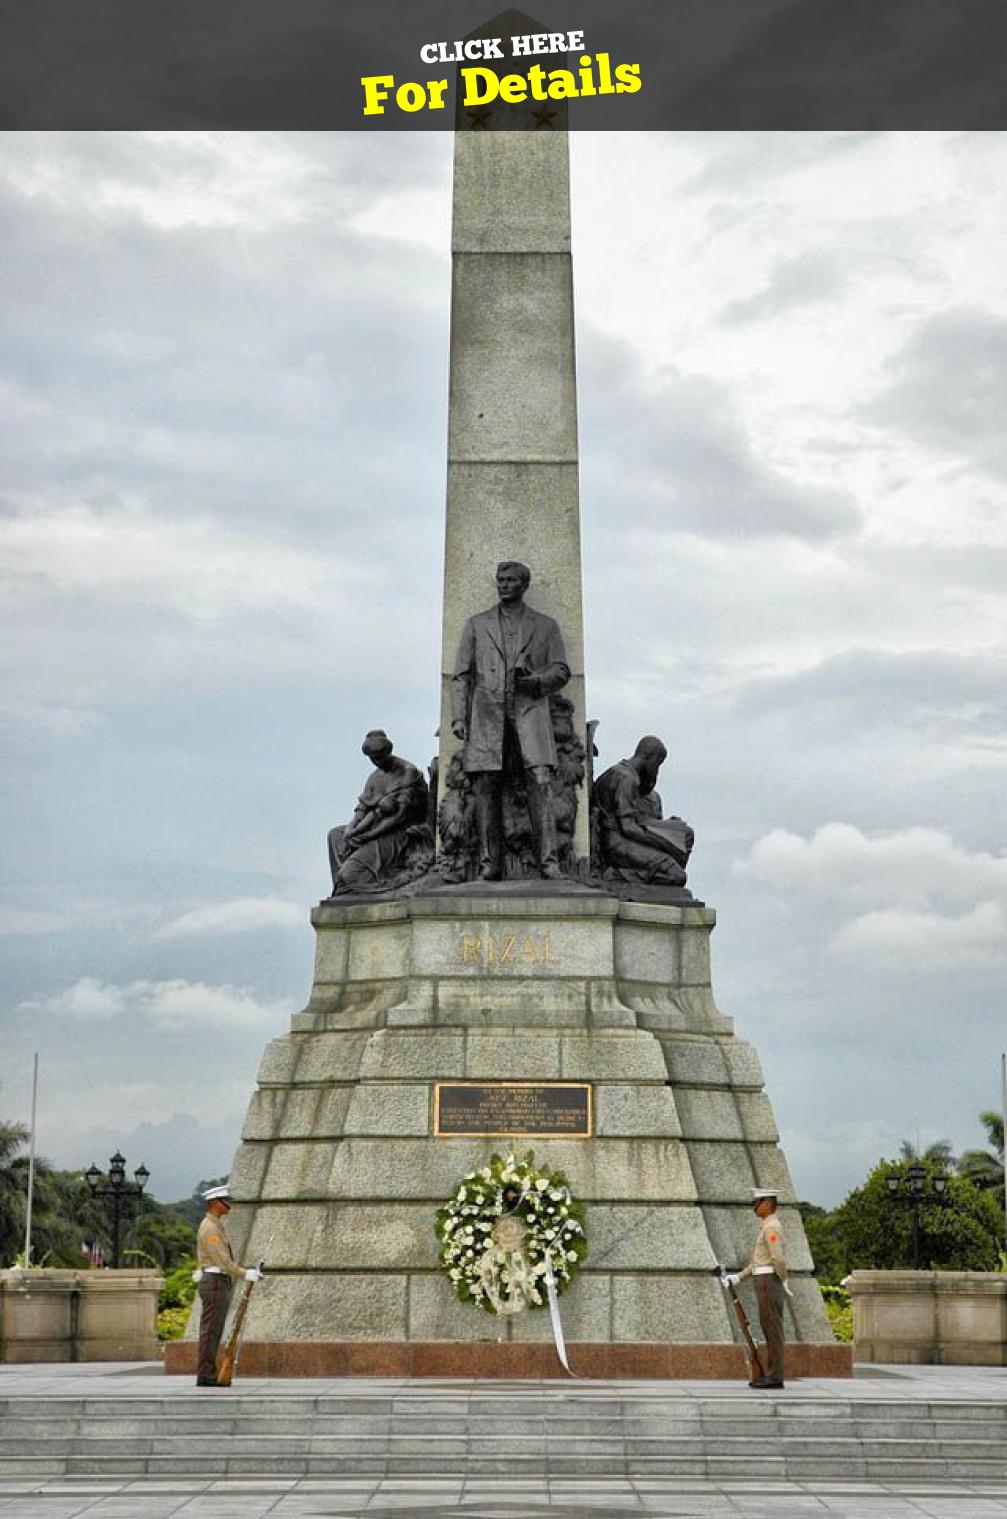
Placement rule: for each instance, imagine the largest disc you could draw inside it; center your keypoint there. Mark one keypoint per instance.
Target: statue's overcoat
(479, 689)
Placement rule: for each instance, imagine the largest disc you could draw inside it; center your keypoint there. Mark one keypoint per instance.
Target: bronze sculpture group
(509, 798)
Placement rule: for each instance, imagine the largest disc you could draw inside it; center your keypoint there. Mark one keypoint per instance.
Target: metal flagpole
(1003, 1116)
(31, 1161)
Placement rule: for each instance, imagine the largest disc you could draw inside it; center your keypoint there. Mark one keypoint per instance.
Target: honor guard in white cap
(767, 1264)
(217, 1271)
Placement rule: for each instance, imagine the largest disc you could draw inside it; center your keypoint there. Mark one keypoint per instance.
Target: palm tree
(939, 1153)
(985, 1168)
(62, 1214)
(13, 1189)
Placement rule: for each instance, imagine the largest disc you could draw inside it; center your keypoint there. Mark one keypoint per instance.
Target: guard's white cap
(760, 1193)
(223, 1193)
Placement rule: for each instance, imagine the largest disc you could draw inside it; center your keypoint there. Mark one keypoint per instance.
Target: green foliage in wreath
(510, 1202)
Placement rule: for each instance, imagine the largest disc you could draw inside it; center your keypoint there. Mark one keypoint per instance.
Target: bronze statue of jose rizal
(510, 661)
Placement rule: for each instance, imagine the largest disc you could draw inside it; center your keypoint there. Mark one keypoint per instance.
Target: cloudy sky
(223, 429)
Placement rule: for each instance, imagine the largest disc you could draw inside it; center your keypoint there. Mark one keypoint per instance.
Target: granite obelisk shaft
(512, 486)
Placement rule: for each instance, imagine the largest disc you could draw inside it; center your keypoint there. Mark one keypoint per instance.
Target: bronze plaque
(535, 1109)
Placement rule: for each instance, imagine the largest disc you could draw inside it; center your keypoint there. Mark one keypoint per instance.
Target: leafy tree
(64, 1215)
(877, 1233)
(824, 1243)
(985, 1168)
(164, 1234)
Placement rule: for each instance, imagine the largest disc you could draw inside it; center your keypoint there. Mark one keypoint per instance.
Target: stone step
(531, 1432)
(784, 1415)
(549, 1402)
(470, 1464)
(790, 1436)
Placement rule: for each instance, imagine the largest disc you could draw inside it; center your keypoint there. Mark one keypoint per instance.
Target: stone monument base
(424, 1014)
(509, 1360)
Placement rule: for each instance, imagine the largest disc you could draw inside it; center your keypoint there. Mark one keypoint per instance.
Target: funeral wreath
(505, 1228)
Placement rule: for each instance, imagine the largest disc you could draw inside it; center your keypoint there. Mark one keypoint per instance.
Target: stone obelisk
(512, 486)
(484, 999)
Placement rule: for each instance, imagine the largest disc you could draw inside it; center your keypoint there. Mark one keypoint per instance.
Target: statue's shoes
(489, 873)
(552, 872)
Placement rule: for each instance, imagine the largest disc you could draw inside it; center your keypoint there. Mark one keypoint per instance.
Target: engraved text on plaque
(537, 1109)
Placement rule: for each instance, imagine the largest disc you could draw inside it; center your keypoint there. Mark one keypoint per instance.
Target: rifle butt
(754, 1361)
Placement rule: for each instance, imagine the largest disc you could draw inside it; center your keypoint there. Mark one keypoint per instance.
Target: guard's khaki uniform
(768, 1265)
(220, 1270)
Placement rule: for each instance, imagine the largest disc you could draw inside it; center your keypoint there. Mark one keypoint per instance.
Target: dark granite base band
(512, 1360)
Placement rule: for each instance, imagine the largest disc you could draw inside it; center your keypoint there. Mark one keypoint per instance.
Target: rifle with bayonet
(746, 1328)
(227, 1363)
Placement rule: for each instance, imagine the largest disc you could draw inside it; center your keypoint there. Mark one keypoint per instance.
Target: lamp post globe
(118, 1191)
(914, 1196)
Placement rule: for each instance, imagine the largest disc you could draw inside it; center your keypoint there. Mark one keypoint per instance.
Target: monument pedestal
(341, 1169)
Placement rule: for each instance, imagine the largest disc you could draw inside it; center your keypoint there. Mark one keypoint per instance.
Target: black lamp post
(119, 1190)
(914, 1196)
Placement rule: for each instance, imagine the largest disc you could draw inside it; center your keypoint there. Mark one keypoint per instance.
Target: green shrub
(839, 1307)
(179, 1289)
(171, 1323)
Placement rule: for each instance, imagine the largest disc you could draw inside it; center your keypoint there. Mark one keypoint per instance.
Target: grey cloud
(799, 281)
(164, 362)
(740, 161)
(677, 446)
(178, 1151)
(869, 247)
(98, 173)
(930, 692)
(965, 568)
(310, 178)
(949, 388)
(263, 390)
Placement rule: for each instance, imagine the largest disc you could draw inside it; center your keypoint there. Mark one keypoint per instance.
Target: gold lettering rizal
(504, 948)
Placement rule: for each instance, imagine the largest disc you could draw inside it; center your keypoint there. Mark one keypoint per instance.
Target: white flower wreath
(503, 1227)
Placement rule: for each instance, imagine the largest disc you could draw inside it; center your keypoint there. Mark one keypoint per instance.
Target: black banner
(639, 65)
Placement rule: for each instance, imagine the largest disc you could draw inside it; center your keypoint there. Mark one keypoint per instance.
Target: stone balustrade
(938, 1318)
(64, 1315)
